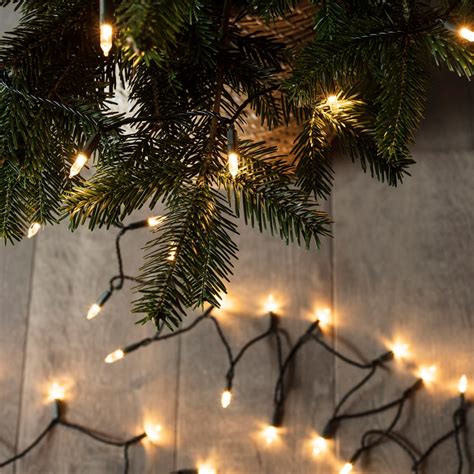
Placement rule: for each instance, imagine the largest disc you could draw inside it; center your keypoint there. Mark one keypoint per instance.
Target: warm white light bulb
(226, 398)
(56, 391)
(106, 37)
(467, 34)
(156, 220)
(319, 445)
(79, 162)
(115, 356)
(233, 163)
(94, 310)
(427, 374)
(346, 468)
(270, 433)
(153, 432)
(323, 315)
(333, 103)
(462, 384)
(400, 350)
(172, 255)
(206, 469)
(271, 305)
(33, 229)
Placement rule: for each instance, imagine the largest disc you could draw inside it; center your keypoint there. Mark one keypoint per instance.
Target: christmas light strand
(315, 333)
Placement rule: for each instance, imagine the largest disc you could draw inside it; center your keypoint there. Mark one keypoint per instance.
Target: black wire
(23, 453)
(341, 356)
(397, 439)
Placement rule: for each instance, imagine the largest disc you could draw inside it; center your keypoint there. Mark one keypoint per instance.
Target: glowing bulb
(270, 433)
(153, 432)
(106, 37)
(319, 445)
(400, 350)
(427, 374)
(233, 163)
(156, 220)
(172, 255)
(33, 229)
(462, 384)
(467, 34)
(79, 162)
(271, 306)
(115, 356)
(346, 468)
(94, 310)
(206, 469)
(323, 315)
(226, 398)
(56, 391)
(333, 103)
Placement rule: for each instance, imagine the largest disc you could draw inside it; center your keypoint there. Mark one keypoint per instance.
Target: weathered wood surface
(404, 264)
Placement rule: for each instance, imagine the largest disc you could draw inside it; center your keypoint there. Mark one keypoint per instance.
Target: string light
(96, 308)
(155, 221)
(79, 162)
(226, 398)
(153, 432)
(347, 468)
(56, 391)
(33, 229)
(206, 469)
(172, 254)
(467, 34)
(462, 384)
(333, 102)
(323, 315)
(115, 356)
(400, 350)
(271, 305)
(319, 445)
(270, 434)
(106, 28)
(427, 374)
(232, 151)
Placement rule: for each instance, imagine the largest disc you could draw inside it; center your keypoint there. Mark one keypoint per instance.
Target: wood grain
(404, 264)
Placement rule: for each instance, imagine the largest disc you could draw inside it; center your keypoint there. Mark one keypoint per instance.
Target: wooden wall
(400, 265)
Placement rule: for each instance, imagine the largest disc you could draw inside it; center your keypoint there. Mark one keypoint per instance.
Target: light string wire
(314, 333)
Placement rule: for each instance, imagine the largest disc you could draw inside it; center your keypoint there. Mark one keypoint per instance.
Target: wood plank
(231, 438)
(70, 272)
(404, 264)
(15, 286)
(15, 289)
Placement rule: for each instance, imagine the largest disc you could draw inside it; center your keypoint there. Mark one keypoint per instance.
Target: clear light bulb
(79, 162)
(427, 374)
(114, 356)
(56, 391)
(226, 398)
(462, 384)
(270, 433)
(153, 432)
(155, 220)
(323, 315)
(333, 103)
(346, 469)
(33, 229)
(94, 310)
(467, 34)
(106, 38)
(206, 469)
(233, 163)
(400, 350)
(271, 305)
(319, 445)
